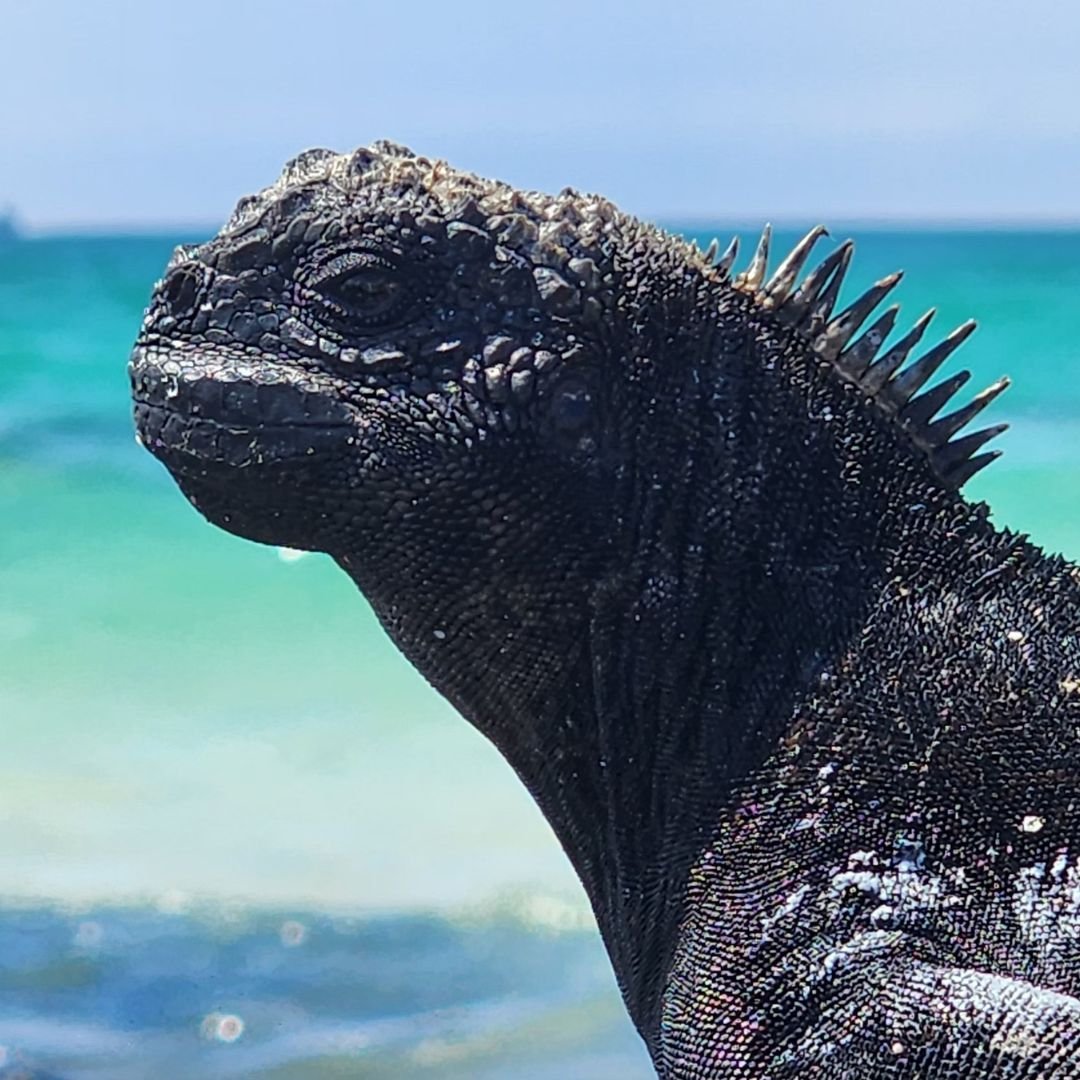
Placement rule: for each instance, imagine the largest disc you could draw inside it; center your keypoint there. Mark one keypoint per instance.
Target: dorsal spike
(712, 251)
(956, 452)
(879, 372)
(854, 360)
(779, 286)
(918, 412)
(900, 390)
(726, 261)
(822, 308)
(941, 431)
(808, 294)
(752, 277)
(958, 476)
(842, 329)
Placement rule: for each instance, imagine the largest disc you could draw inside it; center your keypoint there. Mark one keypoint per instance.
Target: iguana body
(691, 554)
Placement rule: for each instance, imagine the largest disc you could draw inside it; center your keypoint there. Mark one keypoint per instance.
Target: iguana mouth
(184, 442)
(192, 416)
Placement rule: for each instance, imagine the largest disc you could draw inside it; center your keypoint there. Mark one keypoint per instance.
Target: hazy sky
(146, 112)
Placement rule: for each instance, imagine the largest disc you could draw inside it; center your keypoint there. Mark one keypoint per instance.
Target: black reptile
(688, 547)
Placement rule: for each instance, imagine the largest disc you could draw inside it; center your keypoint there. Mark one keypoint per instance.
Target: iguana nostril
(180, 288)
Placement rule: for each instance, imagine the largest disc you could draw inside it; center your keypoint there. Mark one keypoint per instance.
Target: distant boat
(9, 227)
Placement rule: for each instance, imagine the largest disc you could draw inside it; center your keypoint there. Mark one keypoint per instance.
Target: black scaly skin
(805, 722)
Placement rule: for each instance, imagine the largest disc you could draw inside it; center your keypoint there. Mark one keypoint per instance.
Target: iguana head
(367, 329)
(469, 395)
(405, 366)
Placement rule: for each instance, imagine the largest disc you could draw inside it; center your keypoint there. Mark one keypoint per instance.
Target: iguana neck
(753, 538)
(756, 541)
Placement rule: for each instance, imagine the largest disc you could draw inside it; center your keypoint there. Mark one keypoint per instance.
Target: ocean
(239, 836)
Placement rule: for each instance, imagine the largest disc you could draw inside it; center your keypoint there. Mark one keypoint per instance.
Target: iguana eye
(368, 293)
(360, 288)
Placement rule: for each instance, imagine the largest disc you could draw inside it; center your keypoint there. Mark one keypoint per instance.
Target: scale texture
(688, 546)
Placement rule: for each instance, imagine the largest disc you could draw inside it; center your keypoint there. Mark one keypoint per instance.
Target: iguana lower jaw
(242, 435)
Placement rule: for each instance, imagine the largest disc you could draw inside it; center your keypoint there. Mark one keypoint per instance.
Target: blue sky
(143, 113)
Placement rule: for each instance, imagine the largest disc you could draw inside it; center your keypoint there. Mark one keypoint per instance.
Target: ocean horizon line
(680, 223)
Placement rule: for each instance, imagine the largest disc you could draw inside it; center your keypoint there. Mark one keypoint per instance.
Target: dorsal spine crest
(896, 387)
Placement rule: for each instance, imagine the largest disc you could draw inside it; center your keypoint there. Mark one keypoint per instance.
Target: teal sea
(239, 836)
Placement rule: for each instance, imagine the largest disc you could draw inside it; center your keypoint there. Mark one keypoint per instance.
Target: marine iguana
(688, 548)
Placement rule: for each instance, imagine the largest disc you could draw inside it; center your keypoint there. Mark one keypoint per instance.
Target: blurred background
(239, 836)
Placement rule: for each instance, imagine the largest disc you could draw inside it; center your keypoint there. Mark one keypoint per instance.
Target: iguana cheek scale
(686, 544)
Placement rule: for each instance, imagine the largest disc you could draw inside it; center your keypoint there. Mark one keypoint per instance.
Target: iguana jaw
(209, 407)
(241, 437)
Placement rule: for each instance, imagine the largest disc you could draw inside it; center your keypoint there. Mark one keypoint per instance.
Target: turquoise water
(205, 742)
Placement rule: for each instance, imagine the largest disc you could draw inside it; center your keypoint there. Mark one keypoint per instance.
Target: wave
(225, 992)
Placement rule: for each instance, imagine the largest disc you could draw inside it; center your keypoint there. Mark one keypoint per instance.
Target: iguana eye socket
(359, 288)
